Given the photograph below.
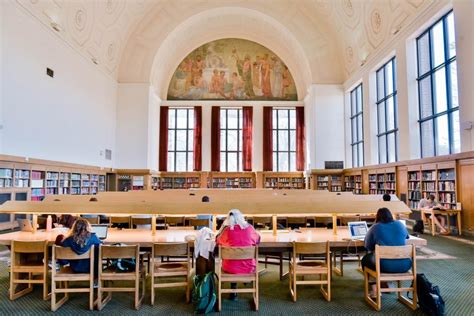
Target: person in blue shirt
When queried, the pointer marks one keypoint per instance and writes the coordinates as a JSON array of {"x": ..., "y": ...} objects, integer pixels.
[{"x": 80, "y": 240}]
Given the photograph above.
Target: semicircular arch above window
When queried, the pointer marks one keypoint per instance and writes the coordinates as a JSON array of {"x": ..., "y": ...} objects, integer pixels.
[{"x": 232, "y": 69}]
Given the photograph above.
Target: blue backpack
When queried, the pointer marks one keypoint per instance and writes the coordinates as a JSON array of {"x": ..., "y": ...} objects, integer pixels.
[
  {"x": 429, "y": 296},
  {"x": 204, "y": 293}
]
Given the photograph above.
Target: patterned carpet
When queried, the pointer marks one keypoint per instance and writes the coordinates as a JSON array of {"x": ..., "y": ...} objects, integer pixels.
[{"x": 454, "y": 275}]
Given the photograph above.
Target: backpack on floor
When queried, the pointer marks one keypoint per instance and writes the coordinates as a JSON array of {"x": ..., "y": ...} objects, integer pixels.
[
  {"x": 429, "y": 296},
  {"x": 419, "y": 227},
  {"x": 204, "y": 293}
]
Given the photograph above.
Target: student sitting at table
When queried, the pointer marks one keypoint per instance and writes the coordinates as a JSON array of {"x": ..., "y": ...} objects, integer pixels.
[
  {"x": 80, "y": 240},
  {"x": 236, "y": 232},
  {"x": 385, "y": 232},
  {"x": 430, "y": 204},
  {"x": 386, "y": 197}
]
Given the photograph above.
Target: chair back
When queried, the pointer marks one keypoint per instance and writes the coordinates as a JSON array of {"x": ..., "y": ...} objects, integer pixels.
[
  {"x": 66, "y": 253},
  {"x": 140, "y": 221},
  {"x": 174, "y": 220},
  {"x": 92, "y": 220},
  {"x": 119, "y": 252},
  {"x": 395, "y": 252},
  {"x": 196, "y": 222},
  {"x": 170, "y": 249},
  {"x": 238, "y": 253},
  {"x": 310, "y": 248},
  {"x": 18, "y": 246},
  {"x": 120, "y": 220}
]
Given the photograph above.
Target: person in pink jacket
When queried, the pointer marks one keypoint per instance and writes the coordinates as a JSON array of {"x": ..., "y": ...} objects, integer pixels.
[{"x": 236, "y": 232}]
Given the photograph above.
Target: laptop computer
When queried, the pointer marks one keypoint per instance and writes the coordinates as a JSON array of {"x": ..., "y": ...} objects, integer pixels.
[
  {"x": 358, "y": 230},
  {"x": 100, "y": 230}
]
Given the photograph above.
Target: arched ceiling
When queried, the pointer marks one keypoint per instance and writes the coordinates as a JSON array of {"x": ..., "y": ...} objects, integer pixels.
[{"x": 323, "y": 41}]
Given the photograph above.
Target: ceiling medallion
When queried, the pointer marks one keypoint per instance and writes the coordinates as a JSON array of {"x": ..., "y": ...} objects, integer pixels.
[
  {"x": 349, "y": 54},
  {"x": 348, "y": 8},
  {"x": 80, "y": 19},
  {"x": 376, "y": 21}
]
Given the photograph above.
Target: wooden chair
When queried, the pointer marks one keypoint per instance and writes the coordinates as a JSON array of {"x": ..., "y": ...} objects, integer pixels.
[
  {"x": 392, "y": 252},
  {"x": 109, "y": 274},
  {"x": 119, "y": 221},
  {"x": 237, "y": 253},
  {"x": 198, "y": 222},
  {"x": 135, "y": 221},
  {"x": 311, "y": 267},
  {"x": 161, "y": 269},
  {"x": 28, "y": 258},
  {"x": 66, "y": 275},
  {"x": 174, "y": 221},
  {"x": 92, "y": 220}
]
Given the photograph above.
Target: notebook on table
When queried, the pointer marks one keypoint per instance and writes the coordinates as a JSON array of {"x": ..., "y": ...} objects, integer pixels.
[
  {"x": 358, "y": 230},
  {"x": 100, "y": 230}
]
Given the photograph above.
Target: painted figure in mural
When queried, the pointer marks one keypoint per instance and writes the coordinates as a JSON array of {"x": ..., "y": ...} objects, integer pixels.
[
  {"x": 215, "y": 82},
  {"x": 197, "y": 67},
  {"x": 265, "y": 70},
  {"x": 244, "y": 68},
  {"x": 277, "y": 77},
  {"x": 222, "y": 83},
  {"x": 257, "y": 76},
  {"x": 287, "y": 81},
  {"x": 198, "y": 89},
  {"x": 237, "y": 87},
  {"x": 187, "y": 68}
]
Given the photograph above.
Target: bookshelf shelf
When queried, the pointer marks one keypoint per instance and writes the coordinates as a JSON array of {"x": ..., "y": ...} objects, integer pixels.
[
  {"x": 180, "y": 180},
  {"x": 231, "y": 180},
  {"x": 383, "y": 181},
  {"x": 327, "y": 179},
  {"x": 284, "y": 180},
  {"x": 353, "y": 183}
]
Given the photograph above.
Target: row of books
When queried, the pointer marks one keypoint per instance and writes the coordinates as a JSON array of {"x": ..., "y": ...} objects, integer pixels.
[
  {"x": 428, "y": 186},
  {"x": 446, "y": 186}
]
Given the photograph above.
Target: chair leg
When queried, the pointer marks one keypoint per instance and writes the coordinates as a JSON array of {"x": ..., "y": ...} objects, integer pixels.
[
  {"x": 91, "y": 295},
  {"x": 188, "y": 290},
  {"x": 137, "y": 294},
  {"x": 219, "y": 298},
  {"x": 256, "y": 299}
]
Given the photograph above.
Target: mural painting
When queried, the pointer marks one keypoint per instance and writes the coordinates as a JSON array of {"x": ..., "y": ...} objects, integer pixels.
[{"x": 232, "y": 69}]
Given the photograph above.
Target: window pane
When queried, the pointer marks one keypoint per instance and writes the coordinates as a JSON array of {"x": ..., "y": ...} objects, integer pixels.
[
  {"x": 354, "y": 156},
  {"x": 171, "y": 118},
  {"x": 282, "y": 140},
  {"x": 223, "y": 160},
  {"x": 223, "y": 140},
  {"x": 438, "y": 44},
  {"x": 425, "y": 97},
  {"x": 389, "y": 78},
  {"x": 232, "y": 162},
  {"x": 232, "y": 140},
  {"x": 293, "y": 119},
  {"x": 283, "y": 119},
  {"x": 181, "y": 162},
  {"x": 292, "y": 162},
  {"x": 223, "y": 118},
  {"x": 275, "y": 120},
  {"x": 354, "y": 130},
  {"x": 456, "y": 133},
  {"x": 427, "y": 149},
  {"x": 191, "y": 118},
  {"x": 171, "y": 140},
  {"x": 423, "y": 54},
  {"x": 275, "y": 165},
  {"x": 292, "y": 140},
  {"x": 232, "y": 119},
  {"x": 181, "y": 139},
  {"x": 442, "y": 135},
  {"x": 361, "y": 154},
  {"x": 275, "y": 140},
  {"x": 359, "y": 98},
  {"x": 454, "y": 84},
  {"x": 191, "y": 140},
  {"x": 171, "y": 162},
  {"x": 190, "y": 162},
  {"x": 390, "y": 114},
  {"x": 440, "y": 86},
  {"x": 381, "y": 117},
  {"x": 391, "y": 147},
  {"x": 451, "y": 36},
  {"x": 353, "y": 103},
  {"x": 380, "y": 85},
  {"x": 182, "y": 118},
  {"x": 382, "y": 149},
  {"x": 283, "y": 161},
  {"x": 359, "y": 132}
]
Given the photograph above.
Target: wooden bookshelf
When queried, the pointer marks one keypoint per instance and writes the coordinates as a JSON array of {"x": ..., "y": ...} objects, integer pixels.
[
  {"x": 353, "y": 182},
  {"x": 327, "y": 179},
  {"x": 231, "y": 180},
  {"x": 383, "y": 181},
  {"x": 414, "y": 186},
  {"x": 180, "y": 180},
  {"x": 446, "y": 185},
  {"x": 282, "y": 180}
]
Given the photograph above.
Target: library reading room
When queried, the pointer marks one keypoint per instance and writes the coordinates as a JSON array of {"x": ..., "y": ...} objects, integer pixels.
[{"x": 237, "y": 157}]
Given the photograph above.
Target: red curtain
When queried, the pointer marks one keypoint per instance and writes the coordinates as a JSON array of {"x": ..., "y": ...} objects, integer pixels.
[
  {"x": 197, "y": 138},
  {"x": 163, "y": 148},
  {"x": 247, "y": 128},
  {"x": 216, "y": 139},
  {"x": 300, "y": 138},
  {"x": 267, "y": 138}
]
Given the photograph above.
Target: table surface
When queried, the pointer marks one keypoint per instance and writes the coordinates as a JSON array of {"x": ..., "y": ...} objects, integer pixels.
[{"x": 144, "y": 238}]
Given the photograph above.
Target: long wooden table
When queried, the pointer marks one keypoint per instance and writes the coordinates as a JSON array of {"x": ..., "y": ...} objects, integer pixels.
[{"x": 446, "y": 213}]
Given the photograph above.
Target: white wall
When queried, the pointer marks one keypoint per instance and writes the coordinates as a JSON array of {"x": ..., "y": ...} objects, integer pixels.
[
  {"x": 324, "y": 116},
  {"x": 70, "y": 117}
]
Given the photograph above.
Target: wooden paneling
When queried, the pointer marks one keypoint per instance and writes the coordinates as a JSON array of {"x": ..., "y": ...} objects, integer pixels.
[
  {"x": 466, "y": 193},
  {"x": 402, "y": 181}
]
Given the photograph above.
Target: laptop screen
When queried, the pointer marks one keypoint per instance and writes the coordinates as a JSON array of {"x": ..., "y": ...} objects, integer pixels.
[
  {"x": 358, "y": 229},
  {"x": 100, "y": 231}
]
